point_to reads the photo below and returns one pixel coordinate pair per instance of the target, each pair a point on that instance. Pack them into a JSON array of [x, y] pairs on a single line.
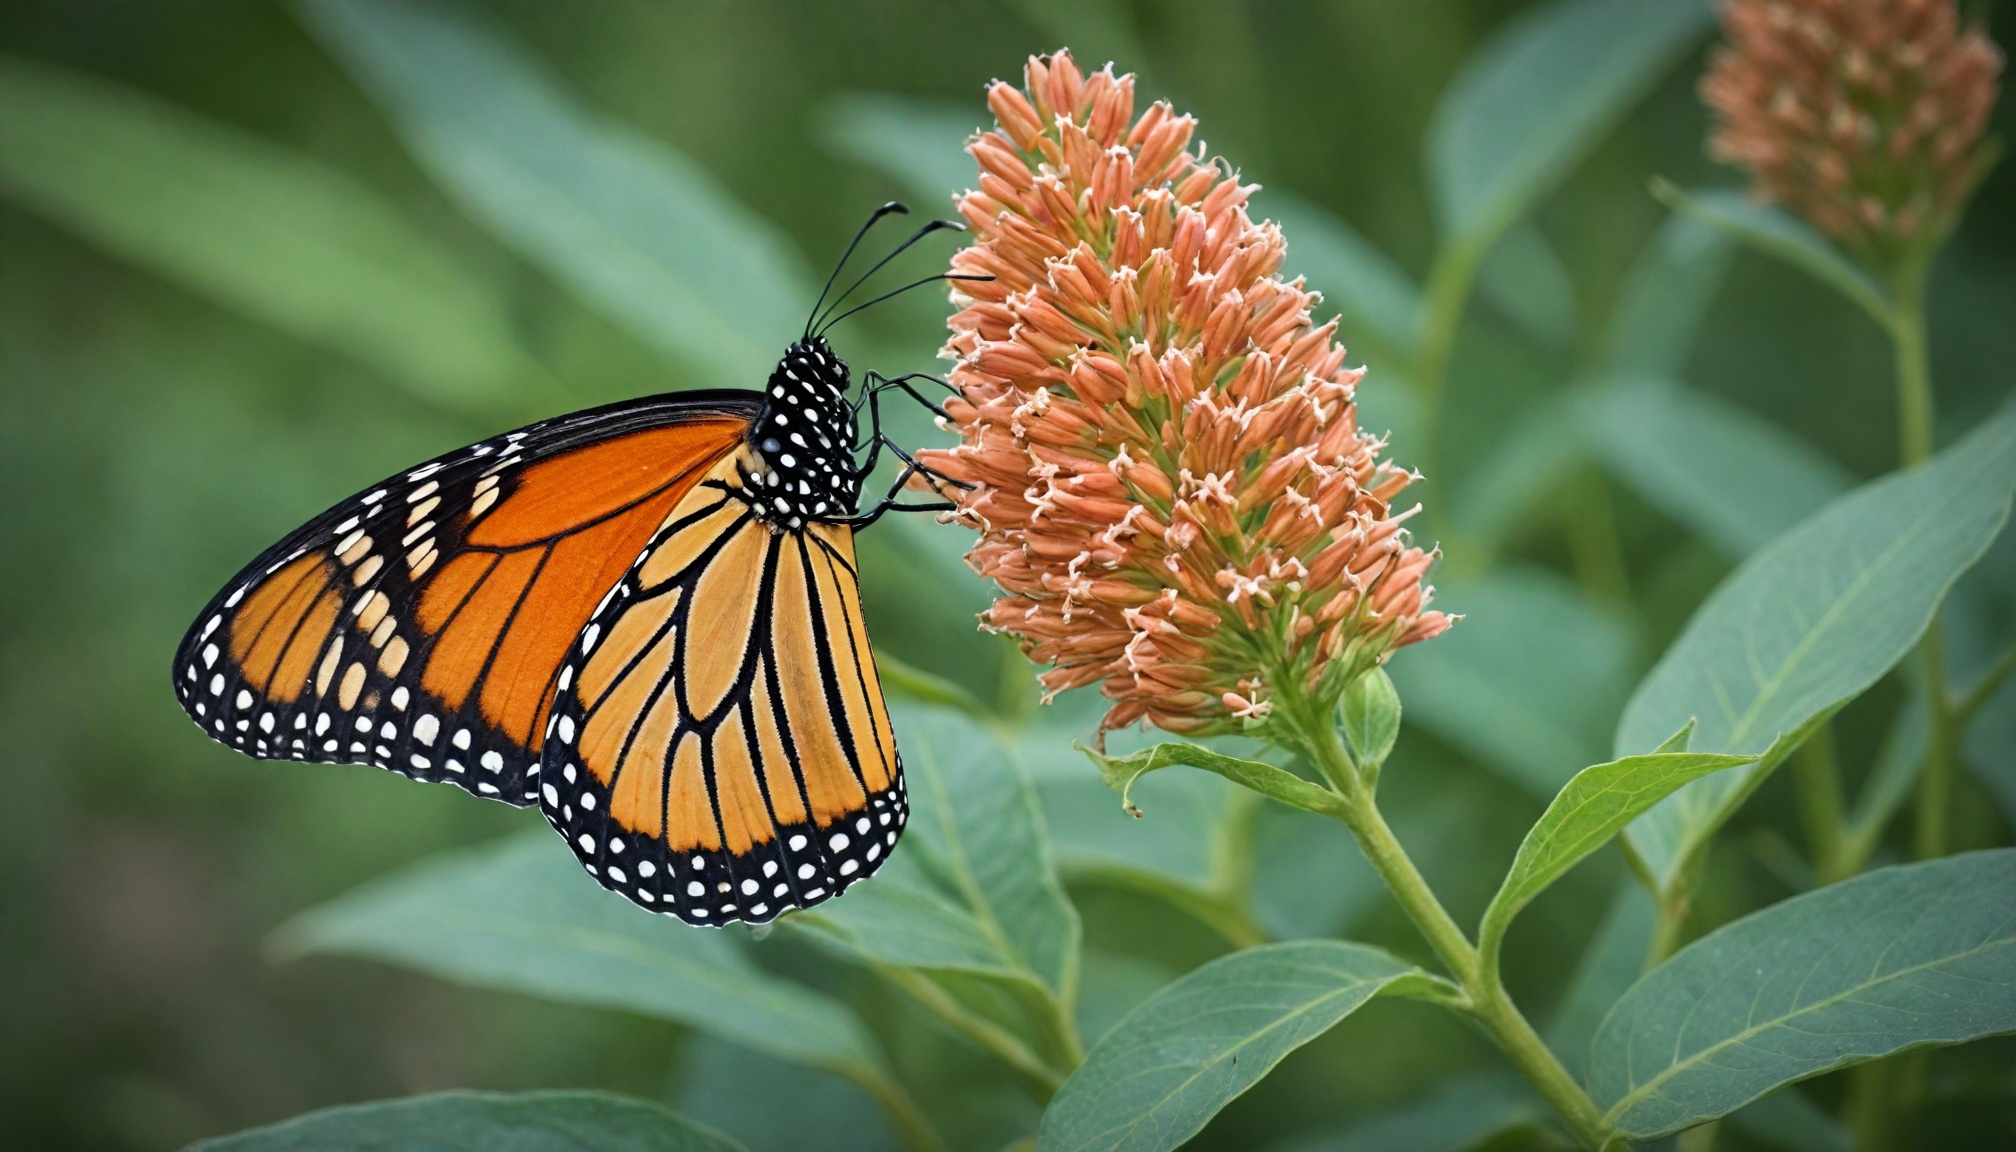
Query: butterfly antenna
[[827, 326], [895, 208], [926, 230]]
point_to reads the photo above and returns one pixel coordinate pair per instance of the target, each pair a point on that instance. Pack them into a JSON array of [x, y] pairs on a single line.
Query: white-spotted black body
[[804, 439]]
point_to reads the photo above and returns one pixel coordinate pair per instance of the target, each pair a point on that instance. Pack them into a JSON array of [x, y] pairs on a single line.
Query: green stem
[[1042, 1078], [1935, 783], [1817, 772], [1914, 367], [1488, 1002]]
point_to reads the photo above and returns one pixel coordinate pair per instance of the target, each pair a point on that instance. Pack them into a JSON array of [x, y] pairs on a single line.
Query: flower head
[[1861, 115], [1168, 478]]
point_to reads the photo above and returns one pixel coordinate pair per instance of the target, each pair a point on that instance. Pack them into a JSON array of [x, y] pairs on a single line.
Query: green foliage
[[1540, 96], [948, 1002], [1166, 1069], [1809, 623], [495, 1121], [1900, 957], [1529, 682], [628, 223], [1586, 815], [523, 918], [1736, 481], [261, 230]]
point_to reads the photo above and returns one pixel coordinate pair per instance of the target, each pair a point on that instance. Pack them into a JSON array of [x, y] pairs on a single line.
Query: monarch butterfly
[[645, 618]]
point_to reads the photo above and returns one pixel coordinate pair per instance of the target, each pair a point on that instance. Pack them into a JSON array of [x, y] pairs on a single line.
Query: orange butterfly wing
[[420, 626], [719, 748]]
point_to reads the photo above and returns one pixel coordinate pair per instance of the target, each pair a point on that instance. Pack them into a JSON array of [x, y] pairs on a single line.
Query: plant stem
[[1914, 367], [1042, 1078], [1818, 774], [1935, 783], [1489, 1003]]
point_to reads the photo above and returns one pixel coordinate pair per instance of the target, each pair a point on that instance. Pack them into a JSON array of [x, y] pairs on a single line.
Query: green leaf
[[1529, 682], [922, 143], [1546, 89], [1379, 302], [1120, 773], [1524, 280], [628, 223], [522, 917], [1665, 298], [973, 887], [1808, 623], [494, 1121], [1458, 1115], [1371, 715], [1894, 959], [1164, 1071], [1594, 807], [1774, 231], [1738, 481], [268, 233]]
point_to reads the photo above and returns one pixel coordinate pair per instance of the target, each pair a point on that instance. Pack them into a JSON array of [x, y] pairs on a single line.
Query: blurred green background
[[161, 420]]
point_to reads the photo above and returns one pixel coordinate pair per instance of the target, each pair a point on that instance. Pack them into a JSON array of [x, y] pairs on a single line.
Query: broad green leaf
[[1458, 1115], [493, 1121], [1163, 1072], [1120, 773], [1612, 962], [266, 232], [632, 226], [1379, 302], [1665, 298], [1536, 99], [1595, 806], [1738, 481], [522, 917], [1371, 718], [1523, 279], [1894, 959], [1529, 682], [1809, 622], [922, 143], [1771, 229], [973, 887]]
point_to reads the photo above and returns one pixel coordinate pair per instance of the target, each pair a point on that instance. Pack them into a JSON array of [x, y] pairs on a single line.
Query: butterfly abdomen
[[804, 438]]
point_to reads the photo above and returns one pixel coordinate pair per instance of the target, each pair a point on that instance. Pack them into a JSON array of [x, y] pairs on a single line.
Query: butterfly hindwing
[[719, 748], [419, 625]]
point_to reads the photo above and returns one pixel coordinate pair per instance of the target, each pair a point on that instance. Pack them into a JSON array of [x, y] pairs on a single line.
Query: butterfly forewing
[[420, 625], [719, 748]]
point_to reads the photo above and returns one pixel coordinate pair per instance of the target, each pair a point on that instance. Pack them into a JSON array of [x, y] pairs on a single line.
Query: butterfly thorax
[[803, 440]]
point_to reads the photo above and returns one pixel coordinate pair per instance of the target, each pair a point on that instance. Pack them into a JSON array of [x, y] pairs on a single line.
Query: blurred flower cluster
[[1168, 478], [1861, 115]]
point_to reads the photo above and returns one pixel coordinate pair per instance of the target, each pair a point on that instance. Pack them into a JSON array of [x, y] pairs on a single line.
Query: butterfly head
[[804, 438]]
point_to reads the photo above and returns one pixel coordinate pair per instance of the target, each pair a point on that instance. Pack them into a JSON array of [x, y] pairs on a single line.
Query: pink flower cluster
[[1168, 478]]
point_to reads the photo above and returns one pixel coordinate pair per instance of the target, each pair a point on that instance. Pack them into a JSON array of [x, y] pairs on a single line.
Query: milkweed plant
[[1202, 513]]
